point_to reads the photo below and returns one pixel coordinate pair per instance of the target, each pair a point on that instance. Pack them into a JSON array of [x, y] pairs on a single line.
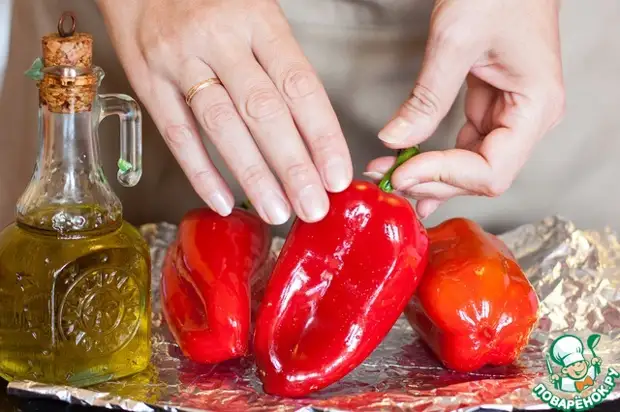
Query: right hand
[[270, 101], [508, 52], [554, 378]]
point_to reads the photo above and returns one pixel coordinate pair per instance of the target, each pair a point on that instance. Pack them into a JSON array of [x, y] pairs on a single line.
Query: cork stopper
[[75, 50], [63, 90]]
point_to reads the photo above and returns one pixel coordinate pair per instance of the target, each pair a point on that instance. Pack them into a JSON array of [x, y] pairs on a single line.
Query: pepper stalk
[[402, 156]]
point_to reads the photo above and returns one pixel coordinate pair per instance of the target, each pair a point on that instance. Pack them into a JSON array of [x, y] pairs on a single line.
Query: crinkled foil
[[576, 274]]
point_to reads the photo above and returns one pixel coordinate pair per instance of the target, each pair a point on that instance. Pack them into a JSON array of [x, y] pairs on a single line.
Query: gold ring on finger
[[200, 86]]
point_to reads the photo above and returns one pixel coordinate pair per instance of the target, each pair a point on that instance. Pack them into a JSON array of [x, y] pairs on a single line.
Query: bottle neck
[[68, 191]]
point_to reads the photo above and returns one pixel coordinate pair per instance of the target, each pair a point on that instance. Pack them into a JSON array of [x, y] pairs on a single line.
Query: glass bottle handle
[[128, 110]]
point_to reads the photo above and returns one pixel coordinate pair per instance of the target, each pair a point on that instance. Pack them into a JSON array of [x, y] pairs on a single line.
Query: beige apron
[[367, 52]]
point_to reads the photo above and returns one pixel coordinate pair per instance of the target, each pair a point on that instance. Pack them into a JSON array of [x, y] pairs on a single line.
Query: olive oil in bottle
[[74, 276]]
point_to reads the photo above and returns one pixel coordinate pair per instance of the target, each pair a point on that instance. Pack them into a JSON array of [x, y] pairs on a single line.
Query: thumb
[[444, 69]]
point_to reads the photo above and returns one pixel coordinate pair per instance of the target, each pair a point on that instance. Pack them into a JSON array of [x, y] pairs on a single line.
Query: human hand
[[554, 378], [509, 54], [596, 361], [269, 103]]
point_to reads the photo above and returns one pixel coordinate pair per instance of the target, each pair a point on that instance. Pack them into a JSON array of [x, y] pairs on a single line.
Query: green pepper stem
[[246, 205], [402, 157]]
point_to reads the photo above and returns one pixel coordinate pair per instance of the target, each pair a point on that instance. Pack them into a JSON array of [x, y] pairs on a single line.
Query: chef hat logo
[[567, 350]]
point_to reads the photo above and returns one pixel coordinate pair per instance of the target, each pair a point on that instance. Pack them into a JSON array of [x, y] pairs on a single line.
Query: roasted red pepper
[[474, 305], [338, 287], [205, 286]]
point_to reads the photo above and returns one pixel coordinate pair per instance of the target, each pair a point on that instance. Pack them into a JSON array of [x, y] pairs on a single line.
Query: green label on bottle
[[35, 72]]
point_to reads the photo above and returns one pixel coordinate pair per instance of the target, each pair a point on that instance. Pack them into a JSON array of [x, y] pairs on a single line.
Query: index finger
[[281, 57], [488, 172]]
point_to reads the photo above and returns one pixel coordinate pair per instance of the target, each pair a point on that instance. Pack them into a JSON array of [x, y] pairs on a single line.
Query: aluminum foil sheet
[[576, 274]]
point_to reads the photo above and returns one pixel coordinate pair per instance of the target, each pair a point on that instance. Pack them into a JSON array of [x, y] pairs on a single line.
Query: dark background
[[13, 404]]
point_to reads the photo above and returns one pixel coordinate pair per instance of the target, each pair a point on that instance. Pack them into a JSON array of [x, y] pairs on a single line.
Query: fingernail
[[275, 209], [373, 175], [220, 203], [313, 202], [337, 176], [396, 131]]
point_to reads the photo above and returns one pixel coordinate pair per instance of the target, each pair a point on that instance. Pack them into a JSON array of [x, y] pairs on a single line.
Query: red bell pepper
[[474, 305], [338, 287], [205, 285]]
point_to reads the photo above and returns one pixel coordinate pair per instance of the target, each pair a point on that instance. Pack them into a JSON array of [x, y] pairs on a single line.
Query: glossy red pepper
[[205, 286], [474, 305], [338, 287]]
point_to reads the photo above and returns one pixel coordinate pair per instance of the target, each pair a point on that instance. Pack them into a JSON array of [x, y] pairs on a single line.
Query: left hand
[[509, 53], [596, 361]]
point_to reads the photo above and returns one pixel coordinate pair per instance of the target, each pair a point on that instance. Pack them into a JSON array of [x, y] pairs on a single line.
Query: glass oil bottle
[[74, 276]]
